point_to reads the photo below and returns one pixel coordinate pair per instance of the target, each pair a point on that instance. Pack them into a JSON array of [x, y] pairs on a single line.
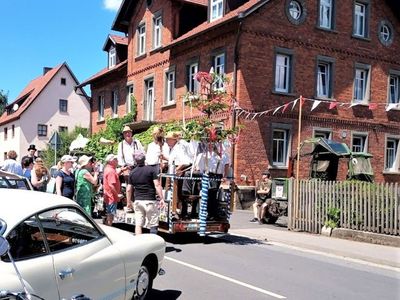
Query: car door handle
[[66, 273]]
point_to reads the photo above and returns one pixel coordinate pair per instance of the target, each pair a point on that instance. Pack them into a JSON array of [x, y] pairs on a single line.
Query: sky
[[45, 33]]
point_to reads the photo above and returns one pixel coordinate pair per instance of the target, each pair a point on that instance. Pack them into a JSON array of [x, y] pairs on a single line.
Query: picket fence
[[371, 207]]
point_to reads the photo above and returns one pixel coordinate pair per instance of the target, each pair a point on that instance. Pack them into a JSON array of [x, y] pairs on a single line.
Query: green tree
[[3, 100]]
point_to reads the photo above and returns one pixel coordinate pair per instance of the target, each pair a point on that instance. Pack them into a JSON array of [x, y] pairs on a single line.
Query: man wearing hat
[[263, 192], [126, 152], [31, 153], [144, 181], [111, 187]]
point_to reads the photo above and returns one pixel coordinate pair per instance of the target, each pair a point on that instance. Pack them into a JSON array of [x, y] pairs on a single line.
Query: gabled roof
[[239, 13], [115, 39], [103, 72], [30, 93]]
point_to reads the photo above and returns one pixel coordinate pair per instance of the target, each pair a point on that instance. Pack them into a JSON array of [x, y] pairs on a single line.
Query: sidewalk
[[372, 253]]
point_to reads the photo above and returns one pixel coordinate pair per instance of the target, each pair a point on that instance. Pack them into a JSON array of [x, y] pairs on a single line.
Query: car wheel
[[144, 283]]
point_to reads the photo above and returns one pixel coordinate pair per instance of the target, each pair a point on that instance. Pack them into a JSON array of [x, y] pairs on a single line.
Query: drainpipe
[[235, 68]]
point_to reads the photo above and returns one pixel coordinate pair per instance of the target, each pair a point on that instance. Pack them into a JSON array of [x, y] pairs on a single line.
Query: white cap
[[67, 157], [110, 157]]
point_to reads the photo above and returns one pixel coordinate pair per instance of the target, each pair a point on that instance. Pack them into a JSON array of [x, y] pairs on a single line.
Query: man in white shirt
[[127, 149]]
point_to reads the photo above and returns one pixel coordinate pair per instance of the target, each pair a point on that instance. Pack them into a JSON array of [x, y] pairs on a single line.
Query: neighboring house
[[47, 104], [110, 92], [274, 51]]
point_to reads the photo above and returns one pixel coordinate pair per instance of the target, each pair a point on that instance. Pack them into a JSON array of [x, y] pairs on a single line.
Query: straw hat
[[110, 157], [126, 129], [84, 160], [172, 135], [67, 157]]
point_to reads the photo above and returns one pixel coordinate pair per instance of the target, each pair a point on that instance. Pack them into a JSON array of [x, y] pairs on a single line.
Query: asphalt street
[[238, 267]]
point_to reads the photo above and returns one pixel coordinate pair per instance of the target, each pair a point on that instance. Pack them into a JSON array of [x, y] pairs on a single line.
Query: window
[[219, 70], [192, 83], [157, 34], [360, 19], [392, 158], [63, 81], [217, 9], [170, 87], [324, 77], [141, 39], [12, 131], [385, 33], [323, 133], [129, 98], [361, 83], [296, 11], [148, 105], [100, 103], [326, 14], [394, 87], [62, 129], [63, 105], [359, 143], [280, 146], [67, 227], [42, 130], [114, 103], [112, 57], [5, 133], [282, 73], [26, 241]]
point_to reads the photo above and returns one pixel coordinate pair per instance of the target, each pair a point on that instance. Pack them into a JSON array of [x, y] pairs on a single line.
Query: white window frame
[[363, 138], [193, 85], [326, 14], [129, 93], [392, 154], [362, 79], [112, 57], [360, 20], [394, 87], [324, 88], [100, 103], [282, 72], [280, 144], [295, 9], [157, 31], [114, 103], [216, 9], [141, 39], [169, 87], [219, 69], [149, 98]]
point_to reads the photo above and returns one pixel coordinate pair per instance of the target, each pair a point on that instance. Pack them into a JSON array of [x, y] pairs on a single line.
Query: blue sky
[[44, 33]]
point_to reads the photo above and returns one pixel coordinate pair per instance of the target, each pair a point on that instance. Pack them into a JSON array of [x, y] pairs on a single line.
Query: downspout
[[233, 123]]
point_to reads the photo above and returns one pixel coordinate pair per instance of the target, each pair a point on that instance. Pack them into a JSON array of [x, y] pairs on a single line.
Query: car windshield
[[14, 182]]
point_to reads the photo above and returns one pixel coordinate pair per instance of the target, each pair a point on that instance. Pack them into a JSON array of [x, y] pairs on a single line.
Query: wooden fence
[[371, 207]]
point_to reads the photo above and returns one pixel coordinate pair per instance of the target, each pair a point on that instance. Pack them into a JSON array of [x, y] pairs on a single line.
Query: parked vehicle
[[59, 250], [13, 181]]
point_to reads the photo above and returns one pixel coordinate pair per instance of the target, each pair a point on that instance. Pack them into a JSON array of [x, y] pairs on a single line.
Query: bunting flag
[[315, 104], [391, 106], [294, 103], [354, 104], [332, 105], [285, 107], [276, 110], [372, 106]]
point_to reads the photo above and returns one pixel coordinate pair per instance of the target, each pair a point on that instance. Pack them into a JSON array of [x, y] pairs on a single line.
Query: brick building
[[328, 51]]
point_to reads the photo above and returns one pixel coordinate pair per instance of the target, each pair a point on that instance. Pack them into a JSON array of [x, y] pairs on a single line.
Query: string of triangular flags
[[250, 115]]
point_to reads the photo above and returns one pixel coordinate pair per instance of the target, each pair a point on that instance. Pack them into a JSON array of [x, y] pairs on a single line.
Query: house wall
[[256, 81], [45, 110], [12, 142]]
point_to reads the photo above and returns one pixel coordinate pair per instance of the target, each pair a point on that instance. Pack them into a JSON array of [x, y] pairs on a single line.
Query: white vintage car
[[61, 252]]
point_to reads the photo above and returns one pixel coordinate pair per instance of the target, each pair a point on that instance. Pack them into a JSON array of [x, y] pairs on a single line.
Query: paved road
[[235, 267]]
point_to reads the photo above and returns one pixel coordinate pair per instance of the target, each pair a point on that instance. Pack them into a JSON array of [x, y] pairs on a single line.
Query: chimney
[[46, 69]]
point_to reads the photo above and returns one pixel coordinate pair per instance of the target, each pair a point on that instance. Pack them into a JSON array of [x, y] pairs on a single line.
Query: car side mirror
[[4, 246]]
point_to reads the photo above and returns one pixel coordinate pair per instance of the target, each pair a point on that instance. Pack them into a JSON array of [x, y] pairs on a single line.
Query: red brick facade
[[250, 42]]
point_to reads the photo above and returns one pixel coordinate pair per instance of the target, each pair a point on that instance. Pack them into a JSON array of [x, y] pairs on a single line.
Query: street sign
[[55, 141]]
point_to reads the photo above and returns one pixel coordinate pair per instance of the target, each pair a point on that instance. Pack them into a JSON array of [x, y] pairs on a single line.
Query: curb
[[366, 237]]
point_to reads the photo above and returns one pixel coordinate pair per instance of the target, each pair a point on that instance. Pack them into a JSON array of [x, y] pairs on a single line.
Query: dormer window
[[217, 9], [112, 57]]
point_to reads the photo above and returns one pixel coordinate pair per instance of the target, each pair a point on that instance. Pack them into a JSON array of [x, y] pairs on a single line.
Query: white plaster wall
[[45, 110], [12, 143]]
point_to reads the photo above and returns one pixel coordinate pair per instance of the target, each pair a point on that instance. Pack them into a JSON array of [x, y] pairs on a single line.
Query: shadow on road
[[165, 295]]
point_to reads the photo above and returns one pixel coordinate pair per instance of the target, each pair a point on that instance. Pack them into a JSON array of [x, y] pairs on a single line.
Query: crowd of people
[[77, 178]]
